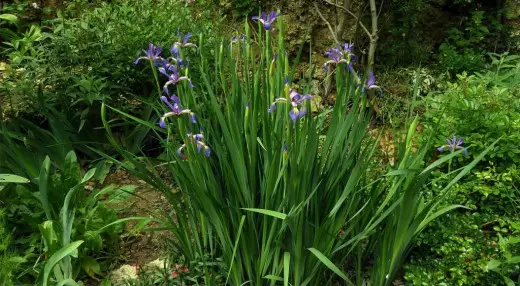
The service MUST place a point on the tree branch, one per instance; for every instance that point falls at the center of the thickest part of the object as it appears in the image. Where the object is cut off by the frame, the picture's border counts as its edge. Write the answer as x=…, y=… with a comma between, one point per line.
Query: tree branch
x=351, y=14
x=326, y=22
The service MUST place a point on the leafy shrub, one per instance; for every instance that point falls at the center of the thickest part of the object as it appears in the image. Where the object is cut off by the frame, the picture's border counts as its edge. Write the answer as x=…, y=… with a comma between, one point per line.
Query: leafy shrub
x=90, y=58
x=464, y=47
x=457, y=60
x=480, y=108
x=68, y=219
x=5, y=251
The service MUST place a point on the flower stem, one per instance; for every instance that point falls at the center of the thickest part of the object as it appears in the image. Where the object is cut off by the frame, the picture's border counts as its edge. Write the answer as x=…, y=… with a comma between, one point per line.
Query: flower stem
x=156, y=76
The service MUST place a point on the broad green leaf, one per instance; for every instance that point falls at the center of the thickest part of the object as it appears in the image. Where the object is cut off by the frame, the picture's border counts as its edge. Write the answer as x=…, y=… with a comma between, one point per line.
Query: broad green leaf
x=43, y=194
x=402, y=172
x=286, y=268
x=275, y=214
x=50, y=237
x=493, y=264
x=514, y=260
x=91, y=266
x=508, y=281
x=9, y=178
x=71, y=173
x=9, y=18
x=273, y=277
x=17, y=259
x=55, y=258
x=69, y=282
x=88, y=175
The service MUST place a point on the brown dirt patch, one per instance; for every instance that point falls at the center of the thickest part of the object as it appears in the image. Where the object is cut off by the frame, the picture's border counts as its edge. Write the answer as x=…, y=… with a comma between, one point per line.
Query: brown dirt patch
x=140, y=247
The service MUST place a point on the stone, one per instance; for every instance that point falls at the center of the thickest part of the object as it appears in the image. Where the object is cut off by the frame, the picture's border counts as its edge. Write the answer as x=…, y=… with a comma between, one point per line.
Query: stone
x=124, y=273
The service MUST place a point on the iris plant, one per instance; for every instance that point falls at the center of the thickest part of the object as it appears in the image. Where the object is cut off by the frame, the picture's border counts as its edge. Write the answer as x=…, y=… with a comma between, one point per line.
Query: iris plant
x=253, y=202
x=453, y=144
x=175, y=106
x=267, y=20
x=152, y=54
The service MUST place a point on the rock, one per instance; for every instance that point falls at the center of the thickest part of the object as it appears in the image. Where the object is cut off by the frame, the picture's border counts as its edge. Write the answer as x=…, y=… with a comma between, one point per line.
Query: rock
x=124, y=273
x=158, y=263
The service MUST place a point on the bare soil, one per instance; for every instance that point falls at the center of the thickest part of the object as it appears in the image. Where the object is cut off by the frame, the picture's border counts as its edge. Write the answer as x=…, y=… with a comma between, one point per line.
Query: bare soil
x=140, y=247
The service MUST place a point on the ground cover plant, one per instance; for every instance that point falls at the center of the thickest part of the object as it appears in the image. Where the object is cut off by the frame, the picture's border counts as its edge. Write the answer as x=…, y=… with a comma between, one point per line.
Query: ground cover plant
x=481, y=107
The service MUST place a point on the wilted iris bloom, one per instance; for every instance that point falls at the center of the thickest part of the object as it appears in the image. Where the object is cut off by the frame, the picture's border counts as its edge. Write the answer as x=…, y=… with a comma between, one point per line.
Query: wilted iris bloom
x=175, y=106
x=152, y=54
x=347, y=47
x=267, y=20
x=173, y=76
x=234, y=39
x=183, y=42
x=197, y=140
x=176, y=58
x=453, y=144
x=340, y=55
x=296, y=101
x=370, y=83
x=371, y=80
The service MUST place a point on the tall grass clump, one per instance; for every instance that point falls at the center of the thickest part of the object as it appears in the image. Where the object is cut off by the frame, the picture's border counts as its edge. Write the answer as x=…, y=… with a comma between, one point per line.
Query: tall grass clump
x=277, y=192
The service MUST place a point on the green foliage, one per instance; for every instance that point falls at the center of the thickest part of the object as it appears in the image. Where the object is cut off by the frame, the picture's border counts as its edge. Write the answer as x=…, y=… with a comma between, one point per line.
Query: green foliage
x=103, y=43
x=75, y=226
x=454, y=251
x=281, y=199
x=177, y=271
x=239, y=8
x=480, y=108
x=5, y=252
x=89, y=58
x=456, y=60
x=464, y=47
x=404, y=43
x=509, y=263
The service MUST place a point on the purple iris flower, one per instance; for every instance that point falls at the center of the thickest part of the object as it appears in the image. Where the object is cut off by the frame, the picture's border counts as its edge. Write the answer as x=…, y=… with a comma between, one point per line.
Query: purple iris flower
x=184, y=42
x=174, y=77
x=175, y=106
x=340, y=55
x=153, y=54
x=296, y=101
x=266, y=20
x=453, y=144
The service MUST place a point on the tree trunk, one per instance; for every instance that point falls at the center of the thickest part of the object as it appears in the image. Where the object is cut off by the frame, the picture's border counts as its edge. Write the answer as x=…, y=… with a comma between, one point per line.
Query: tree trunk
x=340, y=28
x=373, y=40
